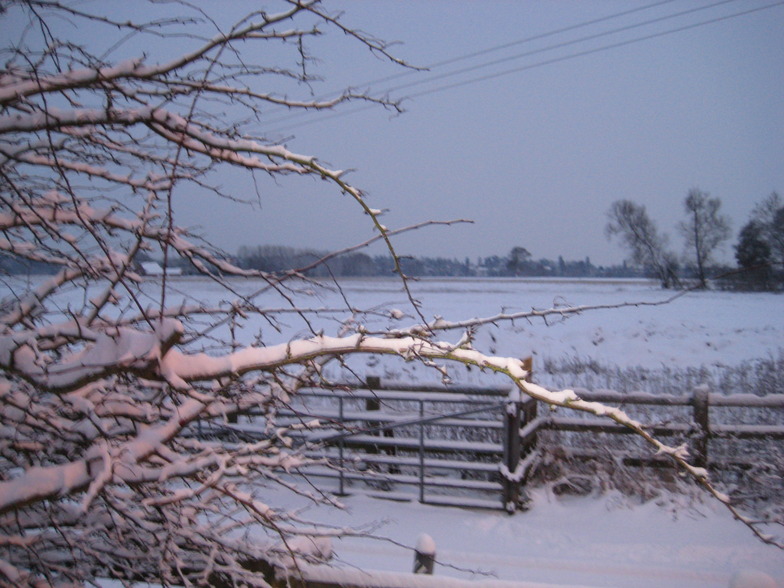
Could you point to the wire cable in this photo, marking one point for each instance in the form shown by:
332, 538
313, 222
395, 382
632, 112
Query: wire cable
493, 49
592, 51
546, 62
560, 45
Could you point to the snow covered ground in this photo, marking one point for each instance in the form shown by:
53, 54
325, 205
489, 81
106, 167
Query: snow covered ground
602, 541
696, 329
597, 541
605, 541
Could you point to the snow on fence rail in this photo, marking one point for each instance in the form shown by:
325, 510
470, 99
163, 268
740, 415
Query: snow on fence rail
468, 446
698, 432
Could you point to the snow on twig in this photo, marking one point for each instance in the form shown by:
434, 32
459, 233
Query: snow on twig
102, 394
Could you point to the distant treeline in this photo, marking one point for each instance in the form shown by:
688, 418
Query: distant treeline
318, 264
275, 258
517, 263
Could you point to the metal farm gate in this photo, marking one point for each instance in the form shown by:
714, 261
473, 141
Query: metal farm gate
476, 446
459, 446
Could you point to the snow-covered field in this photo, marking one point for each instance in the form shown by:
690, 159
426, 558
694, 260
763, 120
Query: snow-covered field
698, 328
597, 541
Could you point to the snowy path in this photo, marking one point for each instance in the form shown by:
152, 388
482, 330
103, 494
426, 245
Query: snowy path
598, 542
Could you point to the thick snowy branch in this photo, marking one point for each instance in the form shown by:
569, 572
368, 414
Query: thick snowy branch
104, 381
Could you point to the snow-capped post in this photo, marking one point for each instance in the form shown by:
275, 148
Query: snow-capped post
425, 555
421, 451
373, 404
511, 468
509, 474
530, 409
701, 401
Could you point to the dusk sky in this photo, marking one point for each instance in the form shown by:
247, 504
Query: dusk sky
536, 146
536, 157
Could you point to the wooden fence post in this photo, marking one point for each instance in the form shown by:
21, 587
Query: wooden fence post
530, 412
372, 383
421, 451
341, 450
511, 483
372, 404
701, 403
528, 365
425, 555
530, 407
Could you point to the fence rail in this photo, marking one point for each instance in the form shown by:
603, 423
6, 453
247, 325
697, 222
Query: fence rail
700, 431
389, 436
471, 446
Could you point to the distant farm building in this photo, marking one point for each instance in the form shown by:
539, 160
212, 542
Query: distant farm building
153, 268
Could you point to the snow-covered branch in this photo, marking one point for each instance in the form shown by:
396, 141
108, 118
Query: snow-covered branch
556, 312
105, 375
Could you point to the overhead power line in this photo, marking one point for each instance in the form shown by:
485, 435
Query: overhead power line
591, 51
560, 45
493, 49
467, 56
543, 63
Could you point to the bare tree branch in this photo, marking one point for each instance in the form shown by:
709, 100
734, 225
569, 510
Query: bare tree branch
104, 376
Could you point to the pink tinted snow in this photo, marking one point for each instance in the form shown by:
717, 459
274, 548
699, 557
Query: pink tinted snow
602, 542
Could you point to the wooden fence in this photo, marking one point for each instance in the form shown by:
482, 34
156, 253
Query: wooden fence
698, 431
474, 446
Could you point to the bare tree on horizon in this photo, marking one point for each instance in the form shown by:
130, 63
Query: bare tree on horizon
104, 376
